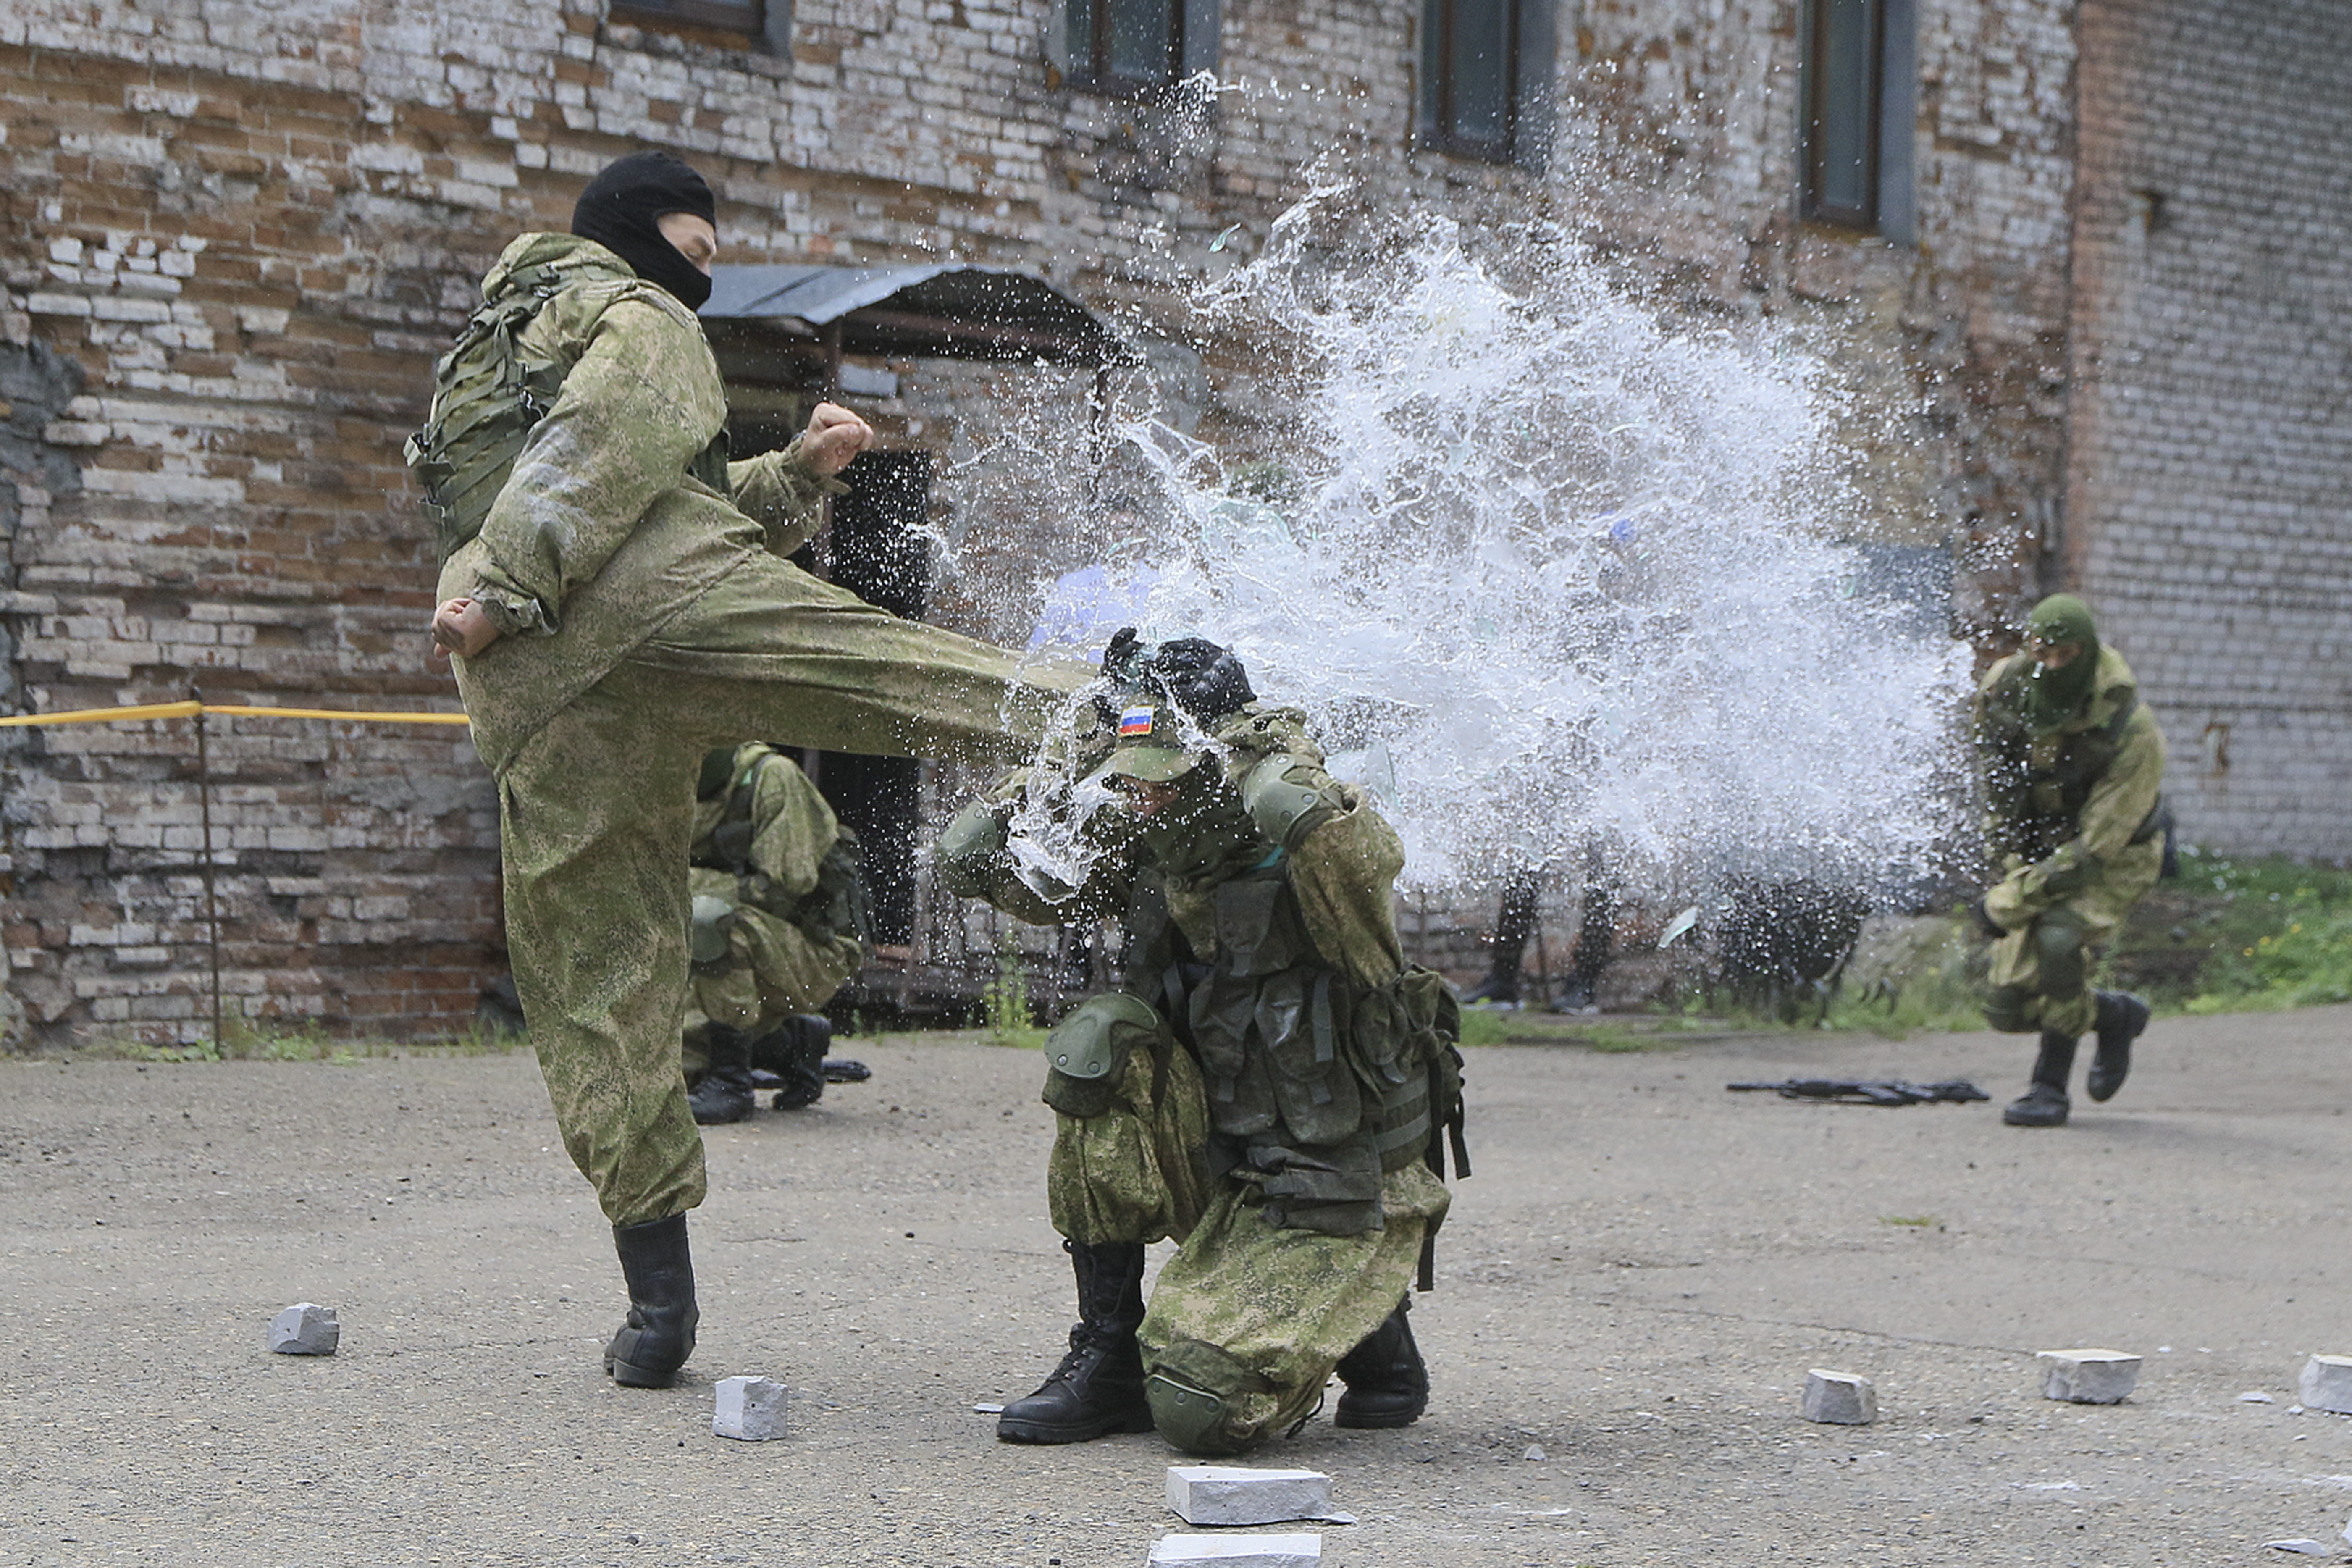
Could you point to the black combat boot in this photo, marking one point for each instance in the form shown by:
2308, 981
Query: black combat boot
2046, 1103
723, 1093
2121, 1017
794, 1051
1099, 1388
1388, 1385
659, 1335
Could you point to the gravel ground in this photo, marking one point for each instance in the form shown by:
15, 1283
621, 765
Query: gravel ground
1634, 1285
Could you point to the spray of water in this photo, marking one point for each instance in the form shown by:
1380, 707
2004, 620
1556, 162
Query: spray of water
1553, 576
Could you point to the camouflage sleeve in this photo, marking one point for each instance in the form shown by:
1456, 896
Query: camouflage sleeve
782, 495
2122, 799
1344, 873
976, 861
793, 827
642, 403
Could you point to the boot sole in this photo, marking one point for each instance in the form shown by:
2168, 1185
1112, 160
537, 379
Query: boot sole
628, 1374
2033, 1121
1383, 1421
1038, 1432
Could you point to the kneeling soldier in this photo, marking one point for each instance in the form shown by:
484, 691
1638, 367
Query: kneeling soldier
1269, 1087
780, 921
2073, 772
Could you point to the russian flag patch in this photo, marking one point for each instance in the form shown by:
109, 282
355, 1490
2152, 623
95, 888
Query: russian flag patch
1135, 722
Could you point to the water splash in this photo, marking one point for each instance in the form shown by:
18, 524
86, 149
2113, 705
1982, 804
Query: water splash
1552, 577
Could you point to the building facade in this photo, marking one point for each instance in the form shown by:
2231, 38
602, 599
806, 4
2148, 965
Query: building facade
2079, 260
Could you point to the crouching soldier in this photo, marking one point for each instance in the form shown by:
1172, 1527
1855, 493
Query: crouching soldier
780, 920
1269, 1087
2074, 773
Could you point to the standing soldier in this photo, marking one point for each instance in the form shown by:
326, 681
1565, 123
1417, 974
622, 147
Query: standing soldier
1268, 1087
617, 599
2074, 773
780, 920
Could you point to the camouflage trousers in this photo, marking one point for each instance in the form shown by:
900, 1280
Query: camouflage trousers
773, 969
1251, 1315
596, 816
2041, 974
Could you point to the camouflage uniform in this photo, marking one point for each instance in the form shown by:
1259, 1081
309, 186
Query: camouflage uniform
779, 908
649, 616
1261, 1089
2076, 822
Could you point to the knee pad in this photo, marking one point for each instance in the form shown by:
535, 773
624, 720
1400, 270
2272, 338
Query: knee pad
2058, 955
1086, 1053
2005, 1008
1192, 1418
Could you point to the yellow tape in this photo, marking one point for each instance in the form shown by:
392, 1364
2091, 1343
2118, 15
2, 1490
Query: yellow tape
190, 710
333, 713
104, 715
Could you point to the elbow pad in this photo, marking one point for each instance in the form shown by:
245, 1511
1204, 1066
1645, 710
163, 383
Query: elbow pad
1288, 798
973, 862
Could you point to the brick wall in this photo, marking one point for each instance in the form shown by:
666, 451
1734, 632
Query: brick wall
2208, 518
236, 235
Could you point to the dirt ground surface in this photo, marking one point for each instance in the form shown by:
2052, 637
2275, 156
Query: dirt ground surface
1634, 1283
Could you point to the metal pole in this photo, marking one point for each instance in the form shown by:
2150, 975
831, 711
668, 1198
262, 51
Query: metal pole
212, 905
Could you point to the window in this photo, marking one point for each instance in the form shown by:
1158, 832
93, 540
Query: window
1859, 106
1485, 78
769, 21
1134, 46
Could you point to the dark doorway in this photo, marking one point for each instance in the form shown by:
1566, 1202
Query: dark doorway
878, 552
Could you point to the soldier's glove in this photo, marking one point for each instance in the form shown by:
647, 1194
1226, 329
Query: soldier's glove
1984, 921
973, 860
1123, 660
1205, 680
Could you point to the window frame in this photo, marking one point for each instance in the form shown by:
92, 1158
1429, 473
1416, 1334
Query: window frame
1194, 28
770, 23
1437, 132
1813, 205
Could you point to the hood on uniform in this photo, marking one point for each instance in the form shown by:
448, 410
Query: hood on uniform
622, 210
718, 768
1150, 746
2054, 696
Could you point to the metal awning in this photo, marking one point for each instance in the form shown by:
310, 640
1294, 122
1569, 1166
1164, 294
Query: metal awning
905, 312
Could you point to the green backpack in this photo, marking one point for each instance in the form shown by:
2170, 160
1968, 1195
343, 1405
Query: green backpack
486, 397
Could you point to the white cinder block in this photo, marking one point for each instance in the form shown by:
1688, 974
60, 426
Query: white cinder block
1839, 1398
2327, 1383
1303, 1551
750, 1408
1232, 1494
2088, 1377
305, 1329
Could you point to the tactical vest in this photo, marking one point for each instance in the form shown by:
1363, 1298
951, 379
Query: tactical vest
489, 393
839, 905
2050, 778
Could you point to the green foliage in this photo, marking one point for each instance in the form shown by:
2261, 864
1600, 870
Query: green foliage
1004, 1003
2278, 934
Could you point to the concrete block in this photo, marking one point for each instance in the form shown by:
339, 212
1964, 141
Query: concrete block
2327, 1383
1229, 1494
750, 1408
305, 1329
2087, 1376
1302, 1551
1839, 1398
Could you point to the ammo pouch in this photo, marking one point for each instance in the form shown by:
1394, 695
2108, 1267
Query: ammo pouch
1334, 1191
1086, 1053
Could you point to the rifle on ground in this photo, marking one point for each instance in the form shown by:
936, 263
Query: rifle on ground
1869, 1091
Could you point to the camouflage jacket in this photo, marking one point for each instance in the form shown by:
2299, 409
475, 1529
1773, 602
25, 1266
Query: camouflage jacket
2066, 803
779, 838
602, 534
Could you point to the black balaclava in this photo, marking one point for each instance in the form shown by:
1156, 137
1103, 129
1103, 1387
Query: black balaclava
621, 209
